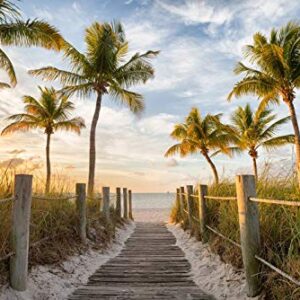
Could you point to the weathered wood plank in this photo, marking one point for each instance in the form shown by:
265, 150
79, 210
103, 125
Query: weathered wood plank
150, 266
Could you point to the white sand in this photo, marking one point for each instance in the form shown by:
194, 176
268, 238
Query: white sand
151, 215
57, 282
212, 275
209, 272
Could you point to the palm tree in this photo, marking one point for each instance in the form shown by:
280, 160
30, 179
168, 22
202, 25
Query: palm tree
50, 112
102, 69
254, 130
275, 73
14, 31
201, 135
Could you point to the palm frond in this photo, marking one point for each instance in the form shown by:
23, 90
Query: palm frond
30, 33
133, 101
64, 77
74, 124
7, 65
19, 126
273, 143
4, 85
82, 90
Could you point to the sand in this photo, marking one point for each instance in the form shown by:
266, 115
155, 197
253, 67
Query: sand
57, 282
212, 275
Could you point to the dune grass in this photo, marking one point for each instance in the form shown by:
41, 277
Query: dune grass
54, 223
279, 225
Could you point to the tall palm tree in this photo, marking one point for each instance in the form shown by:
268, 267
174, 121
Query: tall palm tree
14, 31
201, 135
254, 130
275, 73
102, 69
51, 112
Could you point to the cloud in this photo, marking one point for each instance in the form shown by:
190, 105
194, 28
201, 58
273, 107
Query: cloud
11, 163
17, 151
70, 167
197, 12
172, 163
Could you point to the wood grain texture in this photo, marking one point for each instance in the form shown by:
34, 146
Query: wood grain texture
150, 266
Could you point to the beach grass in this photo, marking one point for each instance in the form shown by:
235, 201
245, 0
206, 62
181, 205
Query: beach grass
279, 229
54, 223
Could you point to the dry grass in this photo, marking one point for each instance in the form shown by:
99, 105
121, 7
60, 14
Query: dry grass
54, 223
280, 231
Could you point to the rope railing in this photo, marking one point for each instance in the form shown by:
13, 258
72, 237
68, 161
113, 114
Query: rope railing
245, 186
220, 198
275, 201
184, 194
223, 236
7, 256
277, 270
54, 198
5, 200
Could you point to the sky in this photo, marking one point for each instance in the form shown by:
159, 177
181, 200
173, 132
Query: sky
199, 41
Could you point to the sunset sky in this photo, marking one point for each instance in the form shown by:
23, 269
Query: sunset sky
200, 42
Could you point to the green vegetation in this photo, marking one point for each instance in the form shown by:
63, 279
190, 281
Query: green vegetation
280, 230
51, 113
201, 135
102, 70
275, 72
275, 76
54, 233
14, 31
253, 130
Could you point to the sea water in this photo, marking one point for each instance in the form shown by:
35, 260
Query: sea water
152, 207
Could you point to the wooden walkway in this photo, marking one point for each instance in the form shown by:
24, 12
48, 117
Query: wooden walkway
150, 266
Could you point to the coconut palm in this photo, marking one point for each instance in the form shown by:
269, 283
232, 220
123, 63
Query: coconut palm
201, 135
275, 74
102, 69
254, 130
51, 112
14, 31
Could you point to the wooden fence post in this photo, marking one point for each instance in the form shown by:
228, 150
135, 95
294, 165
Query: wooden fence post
81, 208
125, 204
118, 202
106, 195
21, 211
189, 189
182, 202
249, 231
202, 192
130, 204
178, 204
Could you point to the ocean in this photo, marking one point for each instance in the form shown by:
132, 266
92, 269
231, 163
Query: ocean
152, 207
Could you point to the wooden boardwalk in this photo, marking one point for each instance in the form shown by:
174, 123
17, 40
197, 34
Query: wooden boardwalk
150, 266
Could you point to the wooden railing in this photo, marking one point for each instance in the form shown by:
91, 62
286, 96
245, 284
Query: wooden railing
248, 213
21, 212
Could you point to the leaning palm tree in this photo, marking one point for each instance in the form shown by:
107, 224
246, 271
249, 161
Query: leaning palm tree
51, 112
102, 69
254, 130
14, 31
201, 135
275, 73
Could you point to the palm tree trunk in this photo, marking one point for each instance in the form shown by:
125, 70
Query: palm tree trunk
213, 167
48, 164
92, 158
297, 136
255, 168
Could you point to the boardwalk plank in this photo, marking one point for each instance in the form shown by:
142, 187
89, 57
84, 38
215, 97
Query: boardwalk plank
150, 266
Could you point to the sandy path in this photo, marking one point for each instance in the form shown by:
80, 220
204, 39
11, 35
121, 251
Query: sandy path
212, 275
57, 282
